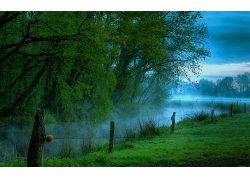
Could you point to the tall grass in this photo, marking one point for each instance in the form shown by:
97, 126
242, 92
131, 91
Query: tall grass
66, 149
205, 144
197, 116
87, 144
148, 128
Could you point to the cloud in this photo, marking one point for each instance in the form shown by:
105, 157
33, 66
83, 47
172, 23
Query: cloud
212, 71
229, 36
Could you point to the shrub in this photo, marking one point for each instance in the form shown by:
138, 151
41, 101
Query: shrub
87, 144
201, 116
148, 128
66, 149
130, 133
192, 119
237, 109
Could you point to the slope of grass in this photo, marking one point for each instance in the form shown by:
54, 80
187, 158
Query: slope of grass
224, 142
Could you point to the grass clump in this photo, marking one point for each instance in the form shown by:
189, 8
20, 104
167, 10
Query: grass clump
197, 116
148, 128
87, 144
223, 115
201, 116
130, 133
142, 129
237, 109
66, 149
129, 145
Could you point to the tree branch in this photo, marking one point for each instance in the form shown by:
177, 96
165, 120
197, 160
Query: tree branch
4, 93
6, 18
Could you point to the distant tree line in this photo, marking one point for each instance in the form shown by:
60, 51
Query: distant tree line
227, 87
79, 65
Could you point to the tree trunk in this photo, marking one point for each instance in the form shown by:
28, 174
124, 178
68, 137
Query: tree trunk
35, 151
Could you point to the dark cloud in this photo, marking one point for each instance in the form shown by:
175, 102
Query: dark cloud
229, 36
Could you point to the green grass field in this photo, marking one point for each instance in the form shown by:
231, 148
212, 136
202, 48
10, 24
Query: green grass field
225, 142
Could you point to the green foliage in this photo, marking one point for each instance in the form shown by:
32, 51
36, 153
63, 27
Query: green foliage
129, 144
130, 134
78, 65
66, 149
97, 159
202, 115
223, 115
18, 120
87, 144
148, 128
217, 144
194, 119
237, 108
15, 163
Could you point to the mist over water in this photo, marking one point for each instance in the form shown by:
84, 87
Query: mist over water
14, 140
185, 105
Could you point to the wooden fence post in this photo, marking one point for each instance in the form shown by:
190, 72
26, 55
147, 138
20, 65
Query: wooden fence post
112, 136
231, 110
212, 118
173, 122
245, 109
35, 151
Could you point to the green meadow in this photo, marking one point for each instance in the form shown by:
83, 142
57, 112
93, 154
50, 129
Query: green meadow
196, 142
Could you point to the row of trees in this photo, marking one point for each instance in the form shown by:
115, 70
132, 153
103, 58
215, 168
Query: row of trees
78, 65
238, 86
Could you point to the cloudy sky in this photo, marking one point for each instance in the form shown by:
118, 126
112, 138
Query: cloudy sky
229, 40
229, 30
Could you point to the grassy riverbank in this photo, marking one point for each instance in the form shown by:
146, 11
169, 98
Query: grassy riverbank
224, 142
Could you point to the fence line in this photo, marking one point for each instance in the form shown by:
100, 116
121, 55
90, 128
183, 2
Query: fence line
166, 119
38, 137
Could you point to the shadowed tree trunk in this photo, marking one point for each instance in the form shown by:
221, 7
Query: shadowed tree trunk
35, 152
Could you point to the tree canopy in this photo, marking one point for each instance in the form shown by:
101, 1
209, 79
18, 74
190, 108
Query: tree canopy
78, 65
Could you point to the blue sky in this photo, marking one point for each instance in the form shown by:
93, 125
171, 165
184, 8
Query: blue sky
229, 40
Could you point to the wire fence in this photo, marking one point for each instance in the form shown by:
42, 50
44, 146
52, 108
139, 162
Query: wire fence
75, 135
122, 128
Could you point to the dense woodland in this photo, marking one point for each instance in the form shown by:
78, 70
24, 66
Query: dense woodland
80, 65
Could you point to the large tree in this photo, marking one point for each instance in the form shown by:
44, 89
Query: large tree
69, 48
160, 47
77, 64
